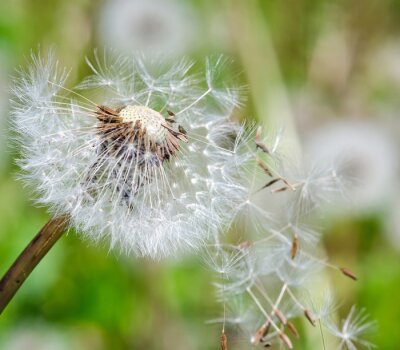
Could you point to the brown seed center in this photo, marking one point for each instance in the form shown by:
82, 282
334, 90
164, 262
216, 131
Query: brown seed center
149, 119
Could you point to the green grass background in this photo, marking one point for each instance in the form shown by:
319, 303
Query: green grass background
86, 297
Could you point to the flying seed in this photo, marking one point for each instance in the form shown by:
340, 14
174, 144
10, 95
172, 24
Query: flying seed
280, 316
270, 183
282, 189
224, 341
260, 333
348, 273
295, 247
285, 339
309, 317
288, 184
292, 329
263, 167
258, 142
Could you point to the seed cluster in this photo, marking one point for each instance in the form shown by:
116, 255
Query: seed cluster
139, 140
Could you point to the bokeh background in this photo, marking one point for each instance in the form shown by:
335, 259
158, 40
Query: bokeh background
329, 71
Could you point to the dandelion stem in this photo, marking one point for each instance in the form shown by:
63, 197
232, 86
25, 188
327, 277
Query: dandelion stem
29, 258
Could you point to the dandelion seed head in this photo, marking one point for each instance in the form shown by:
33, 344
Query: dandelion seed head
150, 120
142, 165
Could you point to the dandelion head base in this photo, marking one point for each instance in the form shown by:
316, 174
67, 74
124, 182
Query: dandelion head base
137, 139
142, 127
149, 119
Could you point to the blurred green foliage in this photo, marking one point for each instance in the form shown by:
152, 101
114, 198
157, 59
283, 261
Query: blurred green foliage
86, 297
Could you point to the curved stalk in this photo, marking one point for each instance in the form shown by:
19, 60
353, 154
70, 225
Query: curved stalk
30, 258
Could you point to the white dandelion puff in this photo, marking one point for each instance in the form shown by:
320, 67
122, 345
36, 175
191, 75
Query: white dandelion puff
146, 165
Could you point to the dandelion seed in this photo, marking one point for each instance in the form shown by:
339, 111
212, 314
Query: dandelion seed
224, 341
292, 329
281, 189
261, 333
286, 340
309, 317
264, 167
259, 144
295, 247
280, 316
354, 327
348, 273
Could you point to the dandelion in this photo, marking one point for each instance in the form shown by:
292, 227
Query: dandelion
150, 167
151, 163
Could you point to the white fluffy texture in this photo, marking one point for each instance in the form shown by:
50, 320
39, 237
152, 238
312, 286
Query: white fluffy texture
270, 218
279, 253
353, 330
189, 198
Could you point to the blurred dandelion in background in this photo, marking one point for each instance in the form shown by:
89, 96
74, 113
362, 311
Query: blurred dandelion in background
38, 337
368, 157
157, 26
